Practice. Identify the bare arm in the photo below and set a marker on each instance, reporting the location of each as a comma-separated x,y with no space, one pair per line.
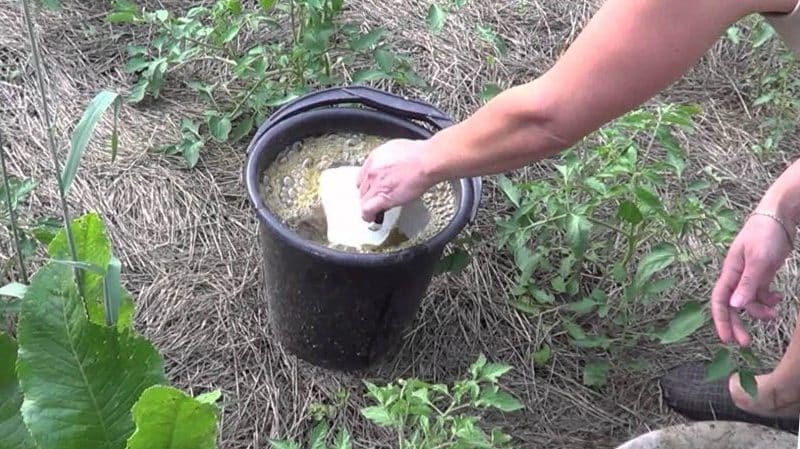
628,52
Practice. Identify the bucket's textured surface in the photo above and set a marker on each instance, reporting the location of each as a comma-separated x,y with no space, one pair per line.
714,435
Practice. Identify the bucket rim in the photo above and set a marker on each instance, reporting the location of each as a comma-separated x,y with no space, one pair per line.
259,146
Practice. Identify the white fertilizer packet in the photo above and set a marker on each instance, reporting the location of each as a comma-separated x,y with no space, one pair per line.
341,202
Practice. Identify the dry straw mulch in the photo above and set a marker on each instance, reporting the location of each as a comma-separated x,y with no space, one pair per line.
188,239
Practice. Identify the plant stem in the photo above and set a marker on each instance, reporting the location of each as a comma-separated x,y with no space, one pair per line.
632,240
37,61
12,214
606,225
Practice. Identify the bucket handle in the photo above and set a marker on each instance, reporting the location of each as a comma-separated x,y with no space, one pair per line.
376,99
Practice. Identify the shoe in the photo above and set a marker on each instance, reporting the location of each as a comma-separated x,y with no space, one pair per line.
685,391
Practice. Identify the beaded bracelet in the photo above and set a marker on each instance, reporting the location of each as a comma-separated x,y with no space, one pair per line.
780,221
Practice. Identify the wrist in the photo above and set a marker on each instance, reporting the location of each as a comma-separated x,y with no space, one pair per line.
783,200
438,160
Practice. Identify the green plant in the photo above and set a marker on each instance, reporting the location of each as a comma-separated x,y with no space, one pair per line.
596,239
424,415
428,416
78,374
244,80
776,88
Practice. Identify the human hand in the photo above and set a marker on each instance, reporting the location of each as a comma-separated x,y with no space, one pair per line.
759,250
394,174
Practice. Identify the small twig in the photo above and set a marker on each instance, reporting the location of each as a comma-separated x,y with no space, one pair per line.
12,213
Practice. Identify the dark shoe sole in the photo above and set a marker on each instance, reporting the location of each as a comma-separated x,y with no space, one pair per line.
686,392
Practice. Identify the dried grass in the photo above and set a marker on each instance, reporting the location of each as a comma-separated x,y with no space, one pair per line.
187,238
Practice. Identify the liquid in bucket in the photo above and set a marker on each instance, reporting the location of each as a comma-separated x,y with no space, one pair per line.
290,187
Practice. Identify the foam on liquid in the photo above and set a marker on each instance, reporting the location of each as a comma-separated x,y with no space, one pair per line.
290,188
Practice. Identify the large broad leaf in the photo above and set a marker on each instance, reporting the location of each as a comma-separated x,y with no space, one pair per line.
167,418
83,132
94,247
79,380
13,434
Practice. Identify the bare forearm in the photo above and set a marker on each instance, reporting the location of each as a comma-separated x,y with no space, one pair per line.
629,51
783,196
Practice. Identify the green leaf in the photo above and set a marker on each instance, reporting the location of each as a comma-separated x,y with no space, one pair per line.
558,284
699,185
13,433
385,59
138,91
93,248
659,258
220,127
266,5
52,5
230,33
190,149
689,319
242,128
436,18
721,367
367,40
14,290
764,99
83,132
490,91
542,297
659,286
342,440
378,415
595,373
499,400
210,398
492,372
629,212
490,36
510,189
454,262
167,418
136,64
84,398
578,230
284,444
318,434
525,306
367,75
648,198
162,15
763,34
747,380
542,355
733,34
121,17
459,3
582,307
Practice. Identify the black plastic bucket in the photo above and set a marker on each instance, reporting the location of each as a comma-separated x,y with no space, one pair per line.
338,310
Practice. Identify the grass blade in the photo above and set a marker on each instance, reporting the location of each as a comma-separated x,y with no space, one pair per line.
12,213
83,132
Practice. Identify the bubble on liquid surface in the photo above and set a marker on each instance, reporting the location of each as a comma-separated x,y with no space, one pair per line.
291,184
